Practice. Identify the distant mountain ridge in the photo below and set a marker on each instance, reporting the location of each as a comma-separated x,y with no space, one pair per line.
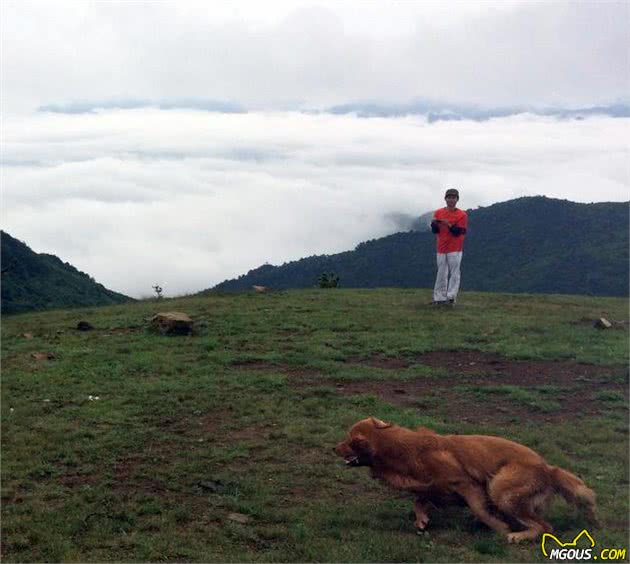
434,110
530,245
32,281
437,111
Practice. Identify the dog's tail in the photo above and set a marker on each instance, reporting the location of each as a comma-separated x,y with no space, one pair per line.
574,490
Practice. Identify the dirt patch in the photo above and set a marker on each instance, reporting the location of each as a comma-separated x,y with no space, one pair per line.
14,493
125,330
297,371
218,434
379,361
135,475
475,387
254,364
444,399
218,428
70,480
495,368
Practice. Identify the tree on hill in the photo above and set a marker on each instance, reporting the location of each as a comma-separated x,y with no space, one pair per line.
328,280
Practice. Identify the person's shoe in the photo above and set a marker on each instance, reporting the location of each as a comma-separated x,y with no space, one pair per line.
437,303
450,302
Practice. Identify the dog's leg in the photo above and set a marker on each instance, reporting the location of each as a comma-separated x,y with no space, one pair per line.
525,511
535,527
476,499
422,517
521,492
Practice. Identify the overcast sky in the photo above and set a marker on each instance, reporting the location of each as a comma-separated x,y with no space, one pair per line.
187,197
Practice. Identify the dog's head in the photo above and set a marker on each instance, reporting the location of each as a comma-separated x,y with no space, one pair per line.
359,447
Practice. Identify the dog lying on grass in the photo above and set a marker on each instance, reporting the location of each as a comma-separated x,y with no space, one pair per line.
501,481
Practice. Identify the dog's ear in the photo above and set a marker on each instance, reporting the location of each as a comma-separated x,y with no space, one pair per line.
379,423
361,445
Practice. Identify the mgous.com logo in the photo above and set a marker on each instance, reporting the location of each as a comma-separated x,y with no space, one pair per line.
582,547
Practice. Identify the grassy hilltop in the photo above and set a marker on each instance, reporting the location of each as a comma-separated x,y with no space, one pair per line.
217,446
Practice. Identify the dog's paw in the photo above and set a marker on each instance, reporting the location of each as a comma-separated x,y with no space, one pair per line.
515,538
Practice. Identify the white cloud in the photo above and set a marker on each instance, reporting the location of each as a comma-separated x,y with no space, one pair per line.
187,198
274,54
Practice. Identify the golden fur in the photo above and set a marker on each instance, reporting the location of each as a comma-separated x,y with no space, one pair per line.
501,481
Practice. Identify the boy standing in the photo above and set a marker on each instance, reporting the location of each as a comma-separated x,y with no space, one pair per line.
449,224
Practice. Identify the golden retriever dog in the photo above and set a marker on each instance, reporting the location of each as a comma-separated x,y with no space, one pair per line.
501,481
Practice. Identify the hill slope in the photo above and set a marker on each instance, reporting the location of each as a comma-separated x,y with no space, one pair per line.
34,281
188,434
534,245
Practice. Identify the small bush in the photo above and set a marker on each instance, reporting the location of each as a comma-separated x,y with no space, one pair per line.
328,280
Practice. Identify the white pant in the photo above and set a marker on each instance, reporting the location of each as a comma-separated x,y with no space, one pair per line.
447,280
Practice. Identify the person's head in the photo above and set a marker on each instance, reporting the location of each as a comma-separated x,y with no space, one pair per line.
451,197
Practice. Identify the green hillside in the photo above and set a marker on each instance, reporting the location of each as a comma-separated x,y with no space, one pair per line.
123,445
32,281
532,245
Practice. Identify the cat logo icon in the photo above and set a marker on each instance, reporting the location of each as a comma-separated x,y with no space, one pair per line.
556,549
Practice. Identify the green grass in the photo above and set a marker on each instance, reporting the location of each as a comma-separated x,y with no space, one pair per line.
536,398
251,405
611,395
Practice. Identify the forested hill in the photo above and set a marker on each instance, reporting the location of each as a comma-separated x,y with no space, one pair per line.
32,281
533,244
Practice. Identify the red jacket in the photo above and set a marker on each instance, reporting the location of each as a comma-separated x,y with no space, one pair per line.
450,239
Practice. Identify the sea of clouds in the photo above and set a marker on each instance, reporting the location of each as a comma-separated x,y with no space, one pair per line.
188,198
